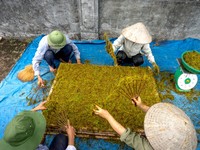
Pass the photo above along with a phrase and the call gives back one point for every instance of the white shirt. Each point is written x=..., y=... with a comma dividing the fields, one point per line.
x=43, y=47
x=132, y=49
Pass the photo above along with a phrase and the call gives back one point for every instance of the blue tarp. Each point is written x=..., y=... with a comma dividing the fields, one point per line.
x=13, y=92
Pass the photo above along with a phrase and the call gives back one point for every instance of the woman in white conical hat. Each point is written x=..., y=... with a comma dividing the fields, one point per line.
x=166, y=127
x=132, y=44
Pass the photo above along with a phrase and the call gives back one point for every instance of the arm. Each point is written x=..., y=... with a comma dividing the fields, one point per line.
x=76, y=53
x=150, y=57
x=113, y=123
x=130, y=138
x=138, y=102
x=75, y=50
x=71, y=136
x=147, y=52
x=39, y=55
x=135, y=140
x=118, y=42
x=40, y=106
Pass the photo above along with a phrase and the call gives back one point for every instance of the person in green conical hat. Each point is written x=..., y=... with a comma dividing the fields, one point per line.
x=54, y=46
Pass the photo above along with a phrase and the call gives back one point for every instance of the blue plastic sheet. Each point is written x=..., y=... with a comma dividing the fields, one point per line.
x=13, y=92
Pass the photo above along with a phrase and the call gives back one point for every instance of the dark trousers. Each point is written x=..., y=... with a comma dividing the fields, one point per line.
x=63, y=54
x=136, y=60
x=60, y=142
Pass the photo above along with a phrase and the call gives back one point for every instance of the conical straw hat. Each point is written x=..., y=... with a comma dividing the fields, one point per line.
x=169, y=128
x=137, y=33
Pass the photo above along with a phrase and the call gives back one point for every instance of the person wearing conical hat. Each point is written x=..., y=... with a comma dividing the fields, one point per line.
x=54, y=46
x=166, y=128
x=132, y=44
x=26, y=131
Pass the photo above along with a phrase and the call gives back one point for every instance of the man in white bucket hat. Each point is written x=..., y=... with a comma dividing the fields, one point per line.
x=132, y=44
x=166, y=127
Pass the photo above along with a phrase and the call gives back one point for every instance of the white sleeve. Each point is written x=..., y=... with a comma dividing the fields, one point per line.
x=147, y=52
x=71, y=147
x=118, y=42
x=74, y=47
x=76, y=51
x=39, y=55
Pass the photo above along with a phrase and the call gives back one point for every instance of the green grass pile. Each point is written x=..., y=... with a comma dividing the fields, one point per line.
x=77, y=88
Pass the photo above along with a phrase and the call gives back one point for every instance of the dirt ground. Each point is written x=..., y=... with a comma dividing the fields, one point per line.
x=10, y=51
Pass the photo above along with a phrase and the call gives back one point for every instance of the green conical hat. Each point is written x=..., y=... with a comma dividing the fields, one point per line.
x=24, y=132
x=56, y=39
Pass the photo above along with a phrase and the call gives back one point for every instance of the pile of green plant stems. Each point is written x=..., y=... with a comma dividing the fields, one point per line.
x=193, y=59
x=78, y=88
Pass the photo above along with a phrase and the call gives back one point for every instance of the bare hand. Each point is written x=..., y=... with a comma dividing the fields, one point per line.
x=156, y=69
x=52, y=69
x=40, y=82
x=101, y=112
x=78, y=61
x=136, y=101
x=70, y=131
x=40, y=106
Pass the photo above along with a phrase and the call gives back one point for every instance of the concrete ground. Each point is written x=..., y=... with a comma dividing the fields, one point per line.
x=10, y=52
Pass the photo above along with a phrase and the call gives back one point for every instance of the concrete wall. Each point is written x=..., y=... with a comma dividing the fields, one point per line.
x=166, y=19
x=89, y=19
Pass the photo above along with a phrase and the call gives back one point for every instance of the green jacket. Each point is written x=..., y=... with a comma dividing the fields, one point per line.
x=135, y=141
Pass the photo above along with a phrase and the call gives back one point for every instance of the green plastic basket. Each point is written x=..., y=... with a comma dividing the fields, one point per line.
x=187, y=66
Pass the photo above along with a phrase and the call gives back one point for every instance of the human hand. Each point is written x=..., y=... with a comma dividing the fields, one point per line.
x=156, y=68
x=101, y=112
x=137, y=101
x=40, y=82
x=52, y=69
x=78, y=61
x=40, y=106
x=70, y=132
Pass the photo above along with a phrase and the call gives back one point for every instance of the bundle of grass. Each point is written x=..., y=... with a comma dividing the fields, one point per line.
x=27, y=74
x=131, y=87
x=77, y=93
x=37, y=93
x=109, y=49
x=62, y=119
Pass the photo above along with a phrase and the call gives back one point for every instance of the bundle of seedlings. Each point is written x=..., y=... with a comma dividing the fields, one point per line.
x=27, y=74
x=37, y=93
x=109, y=49
x=131, y=87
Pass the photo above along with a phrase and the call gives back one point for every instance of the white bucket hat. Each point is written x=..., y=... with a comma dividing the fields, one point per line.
x=169, y=128
x=137, y=33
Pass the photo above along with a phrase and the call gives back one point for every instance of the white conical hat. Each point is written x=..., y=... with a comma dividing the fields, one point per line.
x=137, y=33
x=168, y=128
